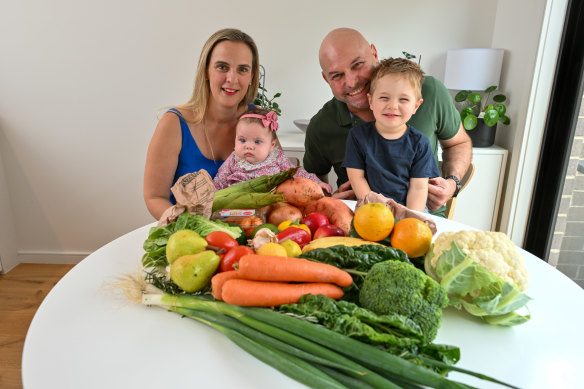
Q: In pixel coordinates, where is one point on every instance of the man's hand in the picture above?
(345, 192)
(439, 192)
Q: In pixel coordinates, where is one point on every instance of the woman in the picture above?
(200, 134)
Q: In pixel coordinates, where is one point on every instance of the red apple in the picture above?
(314, 220)
(328, 230)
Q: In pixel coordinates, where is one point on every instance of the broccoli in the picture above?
(400, 288)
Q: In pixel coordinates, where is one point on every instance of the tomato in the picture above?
(221, 240)
(314, 220)
(232, 257)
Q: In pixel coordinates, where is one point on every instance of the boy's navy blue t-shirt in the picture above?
(390, 163)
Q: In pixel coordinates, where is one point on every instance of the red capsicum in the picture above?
(295, 234)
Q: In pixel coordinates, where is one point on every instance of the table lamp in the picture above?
(473, 69)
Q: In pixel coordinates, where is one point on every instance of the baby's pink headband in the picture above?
(269, 121)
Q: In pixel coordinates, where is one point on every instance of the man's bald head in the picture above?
(347, 61)
(340, 39)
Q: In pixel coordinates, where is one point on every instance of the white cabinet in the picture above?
(478, 204)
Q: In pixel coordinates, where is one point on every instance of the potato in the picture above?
(300, 191)
(336, 210)
(283, 212)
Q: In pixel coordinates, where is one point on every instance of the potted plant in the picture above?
(262, 100)
(479, 117)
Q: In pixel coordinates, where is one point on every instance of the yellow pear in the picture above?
(184, 242)
(193, 272)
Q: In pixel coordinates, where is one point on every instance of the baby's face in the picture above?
(253, 142)
(393, 102)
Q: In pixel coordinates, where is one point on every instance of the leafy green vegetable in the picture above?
(350, 319)
(398, 287)
(204, 226)
(359, 258)
(394, 333)
(154, 259)
(477, 290)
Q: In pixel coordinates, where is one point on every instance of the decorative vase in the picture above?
(482, 135)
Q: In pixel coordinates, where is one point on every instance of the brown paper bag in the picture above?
(194, 192)
(399, 211)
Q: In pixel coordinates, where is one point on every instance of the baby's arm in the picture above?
(358, 182)
(417, 194)
(223, 174)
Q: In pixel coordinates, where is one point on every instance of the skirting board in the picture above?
(51, 257)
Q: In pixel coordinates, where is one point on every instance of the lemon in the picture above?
(292, 248)
(272, 248)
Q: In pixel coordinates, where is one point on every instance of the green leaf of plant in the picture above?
(470, 122)
(490, 89)
(465, 112)
(501, 109)
(475, 97)
(277, 95)
(499, 98)
(461, 96)
(491, 117)
(504, 119)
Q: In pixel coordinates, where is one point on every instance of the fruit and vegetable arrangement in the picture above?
(330, 296)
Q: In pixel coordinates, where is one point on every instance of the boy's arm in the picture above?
(358, 182)
(417, 194)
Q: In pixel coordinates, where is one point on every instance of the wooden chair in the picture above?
(451, 204)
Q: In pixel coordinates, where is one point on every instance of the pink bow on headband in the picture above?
(269, 121)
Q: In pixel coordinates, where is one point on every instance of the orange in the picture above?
(412, 236)
(373, 221)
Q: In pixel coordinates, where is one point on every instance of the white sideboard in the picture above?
(476, 206)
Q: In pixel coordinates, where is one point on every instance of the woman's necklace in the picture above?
(208, 140)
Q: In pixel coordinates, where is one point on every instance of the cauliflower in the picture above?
(483, 273)
(492, 250)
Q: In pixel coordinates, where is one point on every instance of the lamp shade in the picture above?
(473, 69)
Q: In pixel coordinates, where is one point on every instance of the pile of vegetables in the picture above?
(377, 313)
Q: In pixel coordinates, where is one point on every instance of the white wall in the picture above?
(81, 83)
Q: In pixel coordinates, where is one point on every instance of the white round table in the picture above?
(86, 336)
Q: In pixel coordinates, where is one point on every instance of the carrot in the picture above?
(273, 268)
(219, 279)
(269, 294)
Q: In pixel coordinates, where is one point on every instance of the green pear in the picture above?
(193, 272)
(184, 242)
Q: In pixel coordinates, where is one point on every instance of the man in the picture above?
(347, 61)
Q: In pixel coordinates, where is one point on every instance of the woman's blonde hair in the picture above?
(200, 97)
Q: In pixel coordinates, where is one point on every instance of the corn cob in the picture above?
(246, 200)
(252, 194)
(259, 184)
